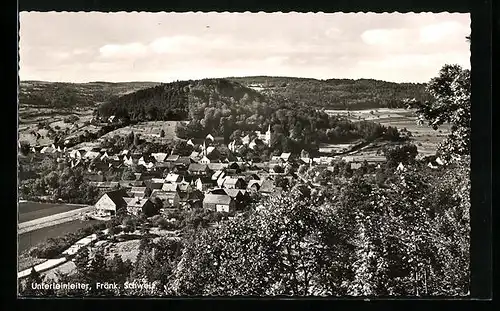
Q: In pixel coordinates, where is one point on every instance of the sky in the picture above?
(164, 47)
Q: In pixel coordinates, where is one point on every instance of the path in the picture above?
(52, 220)
(52, 263)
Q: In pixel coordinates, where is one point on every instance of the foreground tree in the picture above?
(451, 105)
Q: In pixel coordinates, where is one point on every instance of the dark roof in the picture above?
(117, 196)
(183, 160)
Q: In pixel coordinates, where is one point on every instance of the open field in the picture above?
(53, 220)
(30, 239)
(426, 138)
(148, 130)
(30, 117)
(33, 210)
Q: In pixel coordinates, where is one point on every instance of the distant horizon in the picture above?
(81, 47)
(226, 78)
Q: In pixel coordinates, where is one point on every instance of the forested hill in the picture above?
(338, 93)
(179, 100)
(42, 94)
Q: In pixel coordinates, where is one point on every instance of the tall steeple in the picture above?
(268, 136)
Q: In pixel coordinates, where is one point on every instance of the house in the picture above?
(47, 149)
(267, 187)
(219, 203)
(104, 156)
(75, 163)
(239, 197)
(245, 140)
(183, 161)
(152, 184)
(286, 156)
(136, 206)
(95, 177)
(216, 166)
(111, 203)
(210, 138)
(188, 198)
(172, 158)
(170, 187)
(195, 155)
(170, 199)
(160, 156)
(185, 186)
(173, 178)
(401, 167)
(106, 185)
(204, 160)
(217, 175)
(140, 192)
(439, 161)
(75, 154)
(91, 155)
(254, 185)
(204, 183)
(234, 183)
(356, 165)
(198, 169)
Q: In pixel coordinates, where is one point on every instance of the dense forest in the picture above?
(70, 95)
(339, 93)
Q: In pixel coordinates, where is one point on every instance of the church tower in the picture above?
(268, 136)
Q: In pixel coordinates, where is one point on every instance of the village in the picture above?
(206, 179)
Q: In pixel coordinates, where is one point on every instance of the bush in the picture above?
(53, 247)
(115, 230)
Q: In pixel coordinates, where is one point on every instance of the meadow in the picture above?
(33, 210)
(425, 137)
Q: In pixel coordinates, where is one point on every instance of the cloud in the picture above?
(122, 50)
(385, 36)
(441, 31)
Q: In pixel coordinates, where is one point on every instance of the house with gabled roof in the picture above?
(111, 203)
(172, 158)
(234, 183)
(136, 206)
(198, 169)
(170, 199)
(170, 187)
(160, 156)
(219, 203)
(267, 186)
(47, 149)
(139, 192)
(217, 166)
(205, 183)
(218, 174)
(254, 185)
(173, 178)
(184, 161)
(210, 137)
